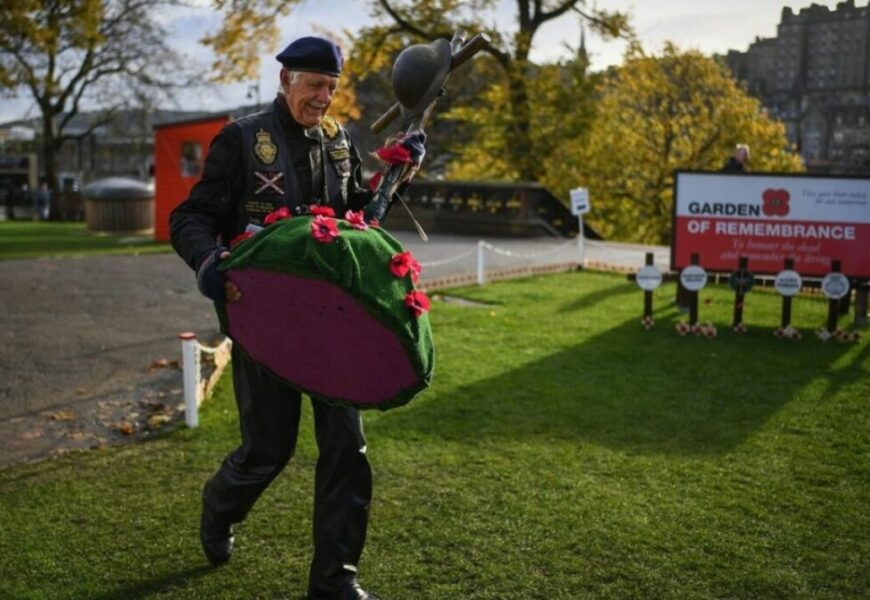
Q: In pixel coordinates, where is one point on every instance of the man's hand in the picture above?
(233, 293)
(415, 144)
(211, 281)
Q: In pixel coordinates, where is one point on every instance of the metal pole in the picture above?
(786, 300)
(481, 263)
(580, 241)
(647, 294)
(190, 365)
(695, 259)
(833, 305)
(739, 293)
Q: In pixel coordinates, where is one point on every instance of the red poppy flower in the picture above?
(374, 223)
(375, 181)
(241, 238)
(394, 154)
(404, 262)
(277, 215)
(324, 229)
(318, 209)
(417, 302)
(775, 202)
(356, 220)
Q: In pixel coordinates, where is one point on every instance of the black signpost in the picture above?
(649, 278)
(785, 321)
(833, 302)
(693, 296)
(741, 281)
(647, 294)
(861, 291)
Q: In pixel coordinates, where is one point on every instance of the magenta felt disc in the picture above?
(318, 338)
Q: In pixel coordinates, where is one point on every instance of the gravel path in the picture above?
(78, 338)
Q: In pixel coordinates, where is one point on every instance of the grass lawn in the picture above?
(27, 239)
(562, 453)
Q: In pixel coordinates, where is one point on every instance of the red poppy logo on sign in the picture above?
(775, 202)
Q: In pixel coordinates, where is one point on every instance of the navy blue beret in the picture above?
(312, 54)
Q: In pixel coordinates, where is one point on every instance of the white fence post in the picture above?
(190, 365)
(481, 263)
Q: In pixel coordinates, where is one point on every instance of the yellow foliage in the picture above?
(657, 114)
(249, 29)
(562, 109)
(31, 28)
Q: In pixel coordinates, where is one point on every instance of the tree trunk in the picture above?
(50, 144)
(521, 124)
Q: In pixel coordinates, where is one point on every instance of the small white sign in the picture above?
(835, 285)
(788, 282)
(649, 278)
(579, 201)
(693, 278)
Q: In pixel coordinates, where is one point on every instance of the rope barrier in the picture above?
(508, 253)
(224, 346)
(445, 261)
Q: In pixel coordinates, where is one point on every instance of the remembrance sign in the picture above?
(769, 218)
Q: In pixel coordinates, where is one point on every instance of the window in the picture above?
(191, 155)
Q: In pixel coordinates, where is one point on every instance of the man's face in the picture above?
(309, 97)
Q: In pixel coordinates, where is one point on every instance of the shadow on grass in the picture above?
(156, 585)
(594, 297)
(636, 391)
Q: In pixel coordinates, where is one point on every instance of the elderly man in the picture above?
(290, 155)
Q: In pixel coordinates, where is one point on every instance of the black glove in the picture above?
(209, 279)
(415, 143)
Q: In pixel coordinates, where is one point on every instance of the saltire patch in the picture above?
(269, 182)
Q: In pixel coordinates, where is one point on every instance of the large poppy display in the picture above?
(329, 306)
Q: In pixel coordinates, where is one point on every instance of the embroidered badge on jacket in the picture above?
(338, 153)
(269, 182)
(265, 148)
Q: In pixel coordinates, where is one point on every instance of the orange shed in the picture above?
(179, 154)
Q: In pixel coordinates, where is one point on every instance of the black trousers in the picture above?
(269, 419)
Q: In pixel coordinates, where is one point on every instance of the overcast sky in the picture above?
(712, 26)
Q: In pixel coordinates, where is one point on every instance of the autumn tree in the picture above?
(563, 111)
(656, 114)
(248, 28)
(417, 21)
(110, 53)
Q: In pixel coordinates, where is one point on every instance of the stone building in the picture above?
(815, 77)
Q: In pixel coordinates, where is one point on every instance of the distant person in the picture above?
(43, 202)
(737, 162)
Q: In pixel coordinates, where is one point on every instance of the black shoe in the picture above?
(351, 591)
(216, 535)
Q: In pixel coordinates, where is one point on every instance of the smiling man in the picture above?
(290, 155)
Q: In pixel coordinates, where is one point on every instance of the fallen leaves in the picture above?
(62, 415)
(157, 420)
(163, 363)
